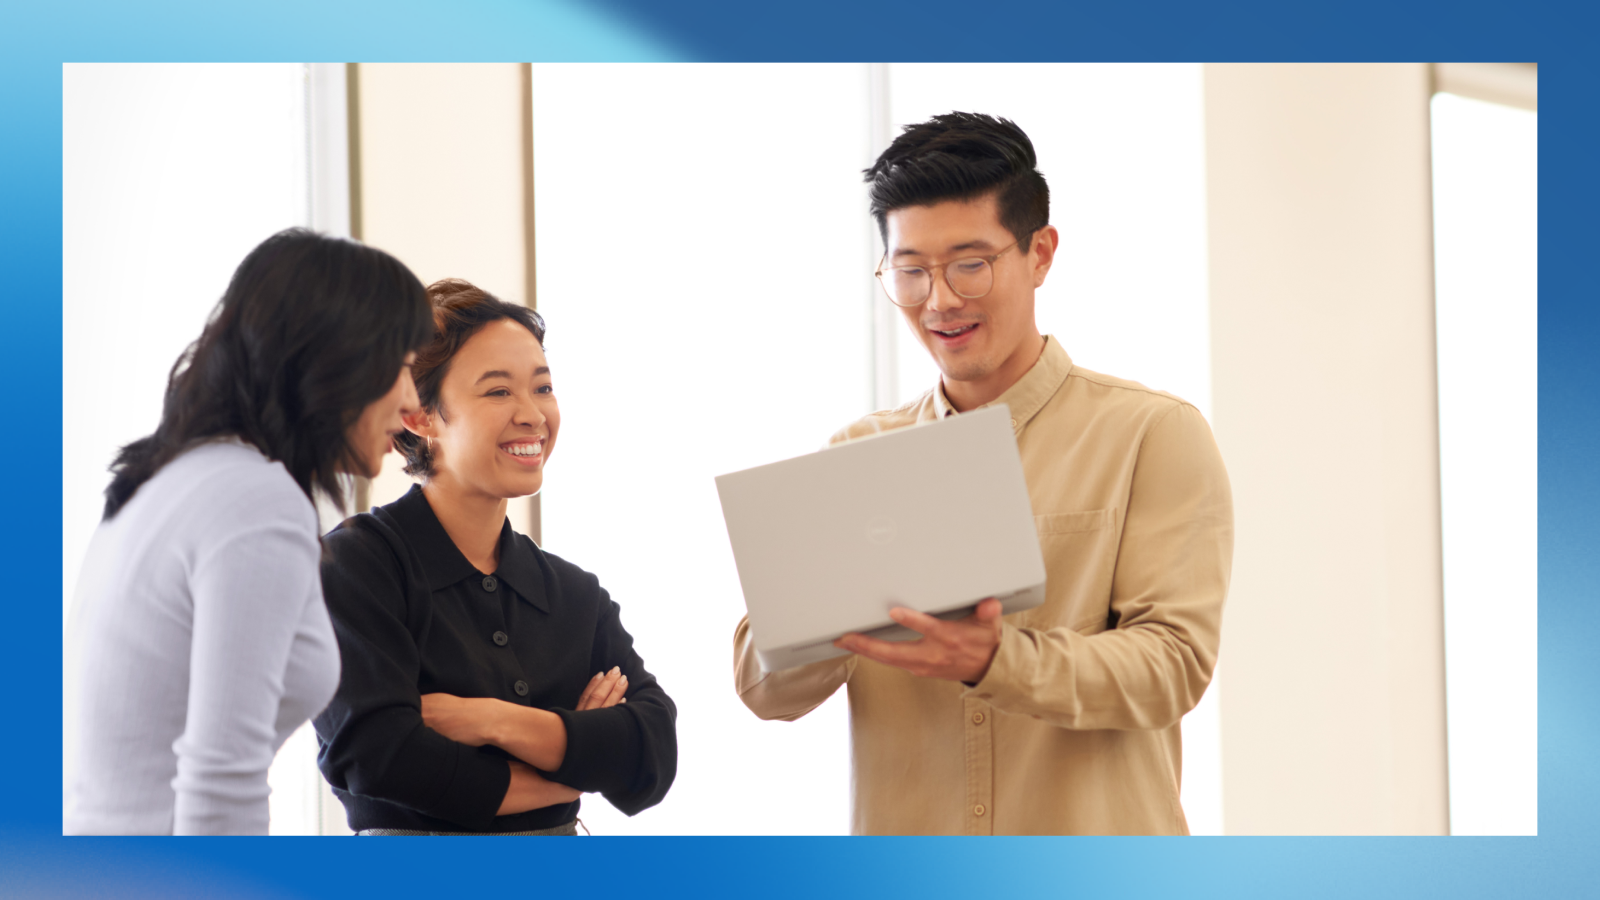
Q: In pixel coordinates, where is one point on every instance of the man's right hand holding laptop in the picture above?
(958, 650)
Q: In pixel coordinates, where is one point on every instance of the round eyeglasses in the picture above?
(970, 277)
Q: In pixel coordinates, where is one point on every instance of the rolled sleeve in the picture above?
(787, 694)
(603, 749)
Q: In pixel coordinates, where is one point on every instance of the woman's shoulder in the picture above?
(244, 490)
(369, 569)
(365, 539)
(401, 533)
(569, 581)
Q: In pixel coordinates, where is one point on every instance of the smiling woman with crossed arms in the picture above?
(487, 683)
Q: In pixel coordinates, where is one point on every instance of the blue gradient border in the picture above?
(1563, 861)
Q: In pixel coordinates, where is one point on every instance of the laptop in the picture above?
(934, 517)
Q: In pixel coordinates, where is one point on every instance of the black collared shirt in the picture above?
(414, 617)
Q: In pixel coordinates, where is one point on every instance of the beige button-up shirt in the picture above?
(1075, 727)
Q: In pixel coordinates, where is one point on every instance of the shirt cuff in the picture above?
(476, 785)
(602, 750)
(1008, 683)
(603, 747)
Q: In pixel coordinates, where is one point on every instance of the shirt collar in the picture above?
(443, 563)
(1031, 392)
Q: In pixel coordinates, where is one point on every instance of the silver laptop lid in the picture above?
(934, 517)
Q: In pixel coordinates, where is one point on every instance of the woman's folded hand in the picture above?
(604, 689)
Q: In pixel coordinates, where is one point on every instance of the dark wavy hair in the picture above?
(310, 331)
(460, 309)
(962, 156)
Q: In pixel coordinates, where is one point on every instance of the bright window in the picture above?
(1485, 198)
(701, 256)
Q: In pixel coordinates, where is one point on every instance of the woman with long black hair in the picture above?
(199, 639)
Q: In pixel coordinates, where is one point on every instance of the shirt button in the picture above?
(978, 810)
(977, 719)
(490, 583)
(521, 687)
(501, 638)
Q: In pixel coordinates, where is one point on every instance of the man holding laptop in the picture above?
(1064, 718)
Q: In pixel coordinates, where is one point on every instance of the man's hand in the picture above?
(955, 651)
(467, 720)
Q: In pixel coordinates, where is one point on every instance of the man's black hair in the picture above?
(962, 156)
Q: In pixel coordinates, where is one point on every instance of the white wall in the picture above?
(1485, 201)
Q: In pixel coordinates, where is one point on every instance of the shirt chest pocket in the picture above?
(1080, 556)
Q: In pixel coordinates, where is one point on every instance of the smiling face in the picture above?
(497, 418)
(982, 345)
(372, 434)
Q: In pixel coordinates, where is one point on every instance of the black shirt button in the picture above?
(501, 638)
(490, 583)
(521, 687)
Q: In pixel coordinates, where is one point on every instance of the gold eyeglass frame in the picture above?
(987, 260)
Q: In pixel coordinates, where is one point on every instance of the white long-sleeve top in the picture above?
(198, 642)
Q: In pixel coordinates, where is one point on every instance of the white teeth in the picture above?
(525, 449)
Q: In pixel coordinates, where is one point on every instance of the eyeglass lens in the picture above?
(968, 278)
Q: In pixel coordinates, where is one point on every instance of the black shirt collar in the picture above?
(445, 566)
